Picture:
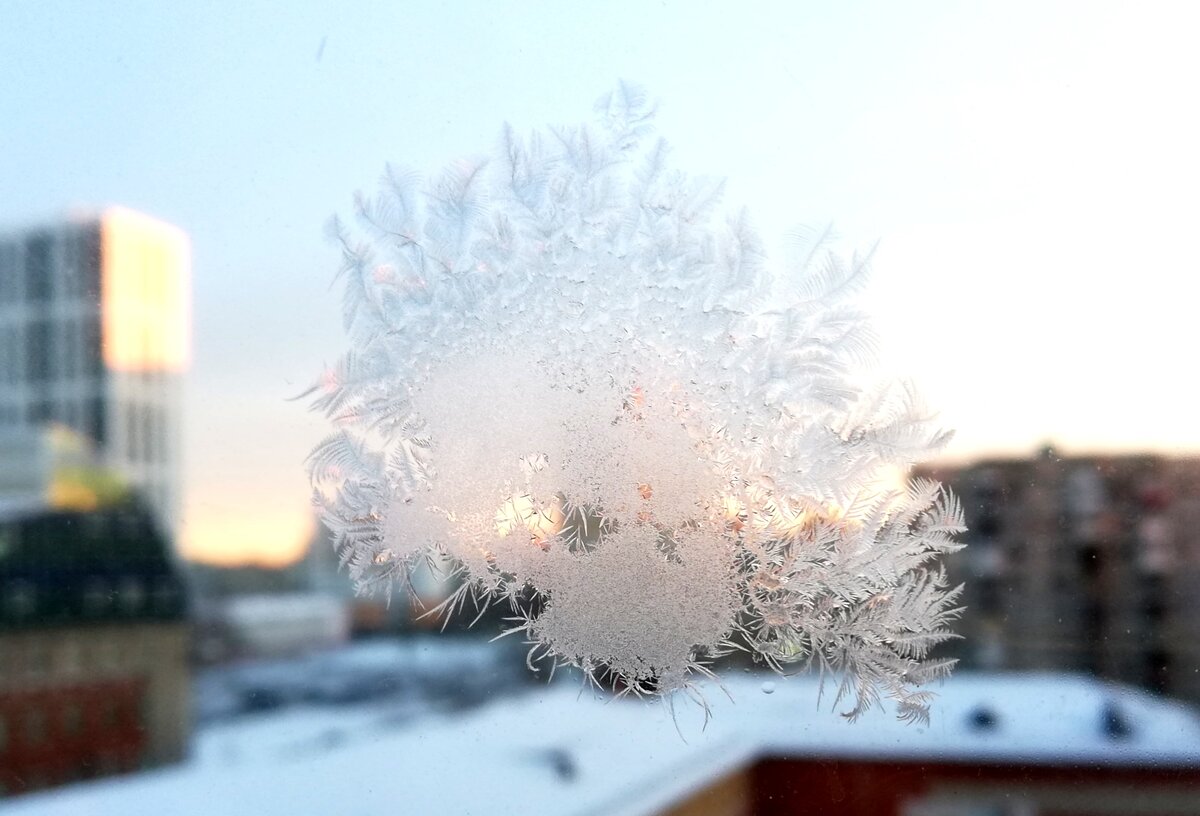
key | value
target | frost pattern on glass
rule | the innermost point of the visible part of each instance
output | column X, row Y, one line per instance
column 575, row 387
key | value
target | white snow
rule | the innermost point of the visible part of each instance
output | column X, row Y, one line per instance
column 555, row 751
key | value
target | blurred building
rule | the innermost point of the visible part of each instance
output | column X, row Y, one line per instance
column 93, row 638
column 94, row 334
column 1088, row 563
column 269, row 625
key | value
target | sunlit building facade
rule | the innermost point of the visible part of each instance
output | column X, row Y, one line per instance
column 94, row 334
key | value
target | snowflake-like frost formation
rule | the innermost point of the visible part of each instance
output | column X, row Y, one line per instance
column 575, row 388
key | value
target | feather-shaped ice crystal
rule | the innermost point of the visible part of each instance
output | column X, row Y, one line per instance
column 572, row 379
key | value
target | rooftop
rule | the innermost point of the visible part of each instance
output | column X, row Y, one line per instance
column 557, row 751
column 61, row 567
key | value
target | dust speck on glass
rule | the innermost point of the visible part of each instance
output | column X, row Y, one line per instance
column 576, row 387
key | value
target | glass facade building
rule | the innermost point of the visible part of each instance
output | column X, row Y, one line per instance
column 94, row 335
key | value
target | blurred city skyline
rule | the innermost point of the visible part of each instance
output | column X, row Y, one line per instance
column 1028, row 170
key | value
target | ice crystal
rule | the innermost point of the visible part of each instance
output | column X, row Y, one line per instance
column 575, row 387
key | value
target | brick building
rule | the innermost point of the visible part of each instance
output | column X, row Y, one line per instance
column 93, row 645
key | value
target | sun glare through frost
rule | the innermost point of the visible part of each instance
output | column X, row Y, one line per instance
column 577, row 388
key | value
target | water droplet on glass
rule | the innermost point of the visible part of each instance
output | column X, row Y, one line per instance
column 768, row 687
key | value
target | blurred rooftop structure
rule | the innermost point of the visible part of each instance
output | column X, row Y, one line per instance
column 1047, row 743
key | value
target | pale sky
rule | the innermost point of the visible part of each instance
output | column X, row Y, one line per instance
column 1030, row 170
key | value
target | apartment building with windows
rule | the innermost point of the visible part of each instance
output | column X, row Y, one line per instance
column 1082, row 563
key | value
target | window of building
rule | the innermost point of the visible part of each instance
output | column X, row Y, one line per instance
column 1153, row 610
column 56, row 353
column 96, row 597
column 39, row 282
column 9, row 280
column 89, row 268
column 148, row 428
column 109, row 763
column 987, row 591
column 153, row 448
column 134, row 430
column 19, row 599
column 76, row 267
column 72, row 719
column 69, row 339
column 11, row 354
column 1157, row 668
column 40, row 411
column 131, row 596
column 95, row 421
column 39, row 663
column 165, row 597
column 93, row 355
column 110, row 653
column 70, row 657
column 1090, row 562
column 35, row 726
column 109, row 714
column 39, row 348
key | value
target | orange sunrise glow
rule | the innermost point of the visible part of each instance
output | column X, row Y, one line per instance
column 270, row 537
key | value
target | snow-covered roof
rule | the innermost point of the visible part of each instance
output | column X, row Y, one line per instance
column 556, row 751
